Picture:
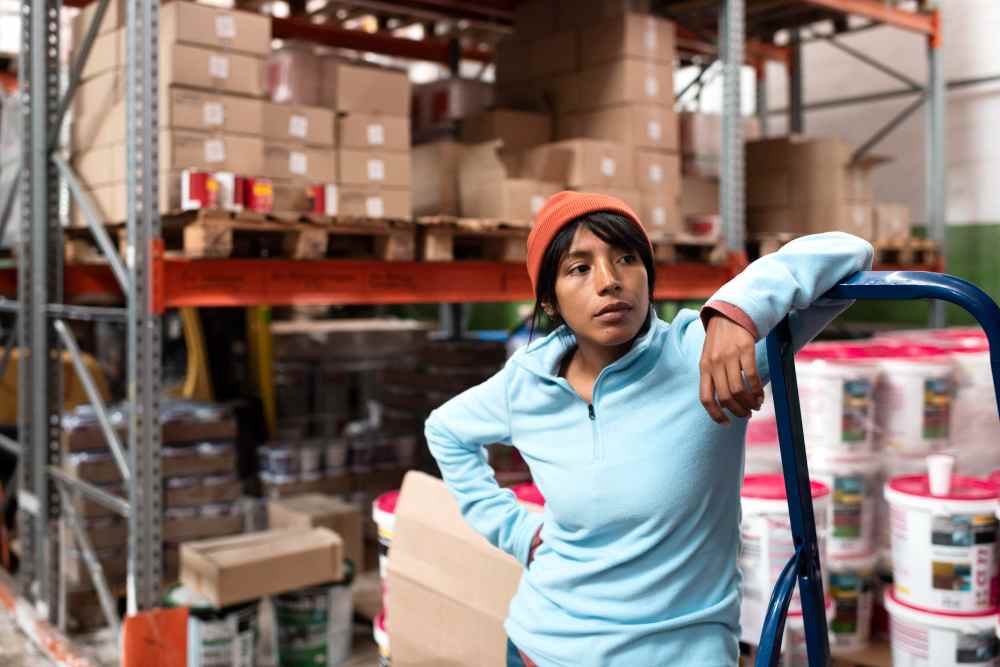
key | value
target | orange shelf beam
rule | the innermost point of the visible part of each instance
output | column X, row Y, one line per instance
column 876, row 10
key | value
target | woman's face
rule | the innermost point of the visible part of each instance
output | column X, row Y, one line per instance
column 602, row 292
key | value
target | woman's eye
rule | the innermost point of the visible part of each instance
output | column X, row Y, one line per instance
column 579, row 268
column 628, row 259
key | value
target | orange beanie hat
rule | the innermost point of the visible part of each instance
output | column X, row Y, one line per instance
column 561, row 209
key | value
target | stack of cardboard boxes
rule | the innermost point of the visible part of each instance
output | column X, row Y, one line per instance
column 371, row 164
column 211, row 83
column 607, row 74
column 804, row 184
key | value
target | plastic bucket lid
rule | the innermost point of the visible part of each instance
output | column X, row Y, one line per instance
column 201, row 607
column 379, row 632
column 766, row 493
column 967, row 494
column 849, row 463
column 762, row 431
column 864, row 561
column 980, row 621
column 384, row 508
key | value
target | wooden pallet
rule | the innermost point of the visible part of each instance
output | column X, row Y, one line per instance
column 762, row 244
column 906, row 251
column 671, row 248
column 447, row 238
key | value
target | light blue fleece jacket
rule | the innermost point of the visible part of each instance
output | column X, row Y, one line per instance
column 641, row 524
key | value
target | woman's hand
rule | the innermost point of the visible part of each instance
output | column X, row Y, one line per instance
column 536, row 542
column 726, row 359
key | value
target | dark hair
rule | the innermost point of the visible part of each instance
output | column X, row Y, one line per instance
column 614, row 229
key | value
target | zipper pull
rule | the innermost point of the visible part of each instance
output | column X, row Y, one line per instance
column 590, row 409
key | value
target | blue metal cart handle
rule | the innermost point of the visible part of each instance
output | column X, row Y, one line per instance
column 804, row 566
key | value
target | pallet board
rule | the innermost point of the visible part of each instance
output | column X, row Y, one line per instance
column 669, row 248
column 909, row 251
column 447, row 238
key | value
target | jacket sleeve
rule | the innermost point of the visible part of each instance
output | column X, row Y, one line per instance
column 791, row 281
column 457, row 434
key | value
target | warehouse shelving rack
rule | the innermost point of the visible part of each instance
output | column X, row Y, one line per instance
column 147, row 282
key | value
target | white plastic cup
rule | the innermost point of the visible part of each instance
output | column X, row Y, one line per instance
column 940, row 468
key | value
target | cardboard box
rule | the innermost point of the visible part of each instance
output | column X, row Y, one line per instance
column 516, row 129
column 320, row 511
column 247, row 567
column 656, row 171
column 180, row 65
column 291, row 161
column 640, row 125
column 555, row 54
column 104, row 469
column 660, row 213
column 534, row 19
column 512, row 61
column 313, row 126
column 585, row 13
column 495, row 183
column 592, row 162
column 180, row 108
column 111, row 201
column 438, row 104
column 364, row 89
column 174, row 432
column 534, row 96
column 294, row 73
column 797, row 171
column 293, row 195
column 375, row 202
column 630, row 35
column 630, row 196
column 114, row 18
column 855, row 219
column 701, row 134
column 202, row 494
column 507, row 199
column 215, row 27
column 702, row 166
column 439, row 563
column 368, row 167
column 699, row 195
column 179, row 149
column 379, row 131
column 435, row 178
column 200, row 528
column 619, row 82
column 892, row 221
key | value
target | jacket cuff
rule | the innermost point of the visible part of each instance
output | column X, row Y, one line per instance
column 530, row 524
column 734, row 313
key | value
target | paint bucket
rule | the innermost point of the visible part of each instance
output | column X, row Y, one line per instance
column 313, row 626
column 763, row 454
column 852, row 591
column 528, row 493
column 384, row 513
column 766, row 545
column 944, row 546
column 836, row 393
column 794, row 652
column 381, row 640
column 854, row 489
column 893, row 465
column 224, row 637
column 310, row 458
column 921, row 637
column 336, row 456
column 913, row 398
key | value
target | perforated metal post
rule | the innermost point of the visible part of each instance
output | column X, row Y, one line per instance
column 936, row 174
column 40, row 281
column 143, row 326
column 731, row 190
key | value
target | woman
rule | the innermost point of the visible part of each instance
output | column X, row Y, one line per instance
column 623, row 421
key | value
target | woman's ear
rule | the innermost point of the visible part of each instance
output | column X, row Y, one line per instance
column 549, row 309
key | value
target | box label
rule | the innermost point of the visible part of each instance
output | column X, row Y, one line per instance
column 659, row 216
column 225, row 27
column 374, row 207
column 652, row 86
column 376, row 134
column 330, row 199
column 608, row 166
column 218, row 67
column 213, row 113
column 649, row 35
column 215, row 150
column 654, row 130
column 655, row 173
column 297, row 162
column 298, row 126
column 537, row 202
column 376, row 170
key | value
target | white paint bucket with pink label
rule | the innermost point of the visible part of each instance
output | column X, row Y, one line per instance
column 922, row 638
column 384, row 514
column 854, row 490
column 852, row 591
column 794, row 652
column 944, row 542
column 766, row 545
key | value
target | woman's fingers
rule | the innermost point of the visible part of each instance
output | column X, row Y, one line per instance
column 726, row 393
column 741, row 392
column 707, row 396
column 749, row 364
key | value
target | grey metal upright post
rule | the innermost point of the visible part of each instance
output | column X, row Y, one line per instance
column 732, row 185
column 796, row 119
column 143, row 328
column 761, row 93
column 40, row 281
column 936, row 173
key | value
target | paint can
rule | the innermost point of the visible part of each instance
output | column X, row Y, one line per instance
column 313, row 626
column 852, row 592
column 836, row 393
column 920, row 637
column 766, row 545
column 381, row 640
column 384, row 514
column 763, row 454
column 854, row 486
column 528, row 493
column 794, row 652
column 310, row 458
column 224, row 637
column 944, row 546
